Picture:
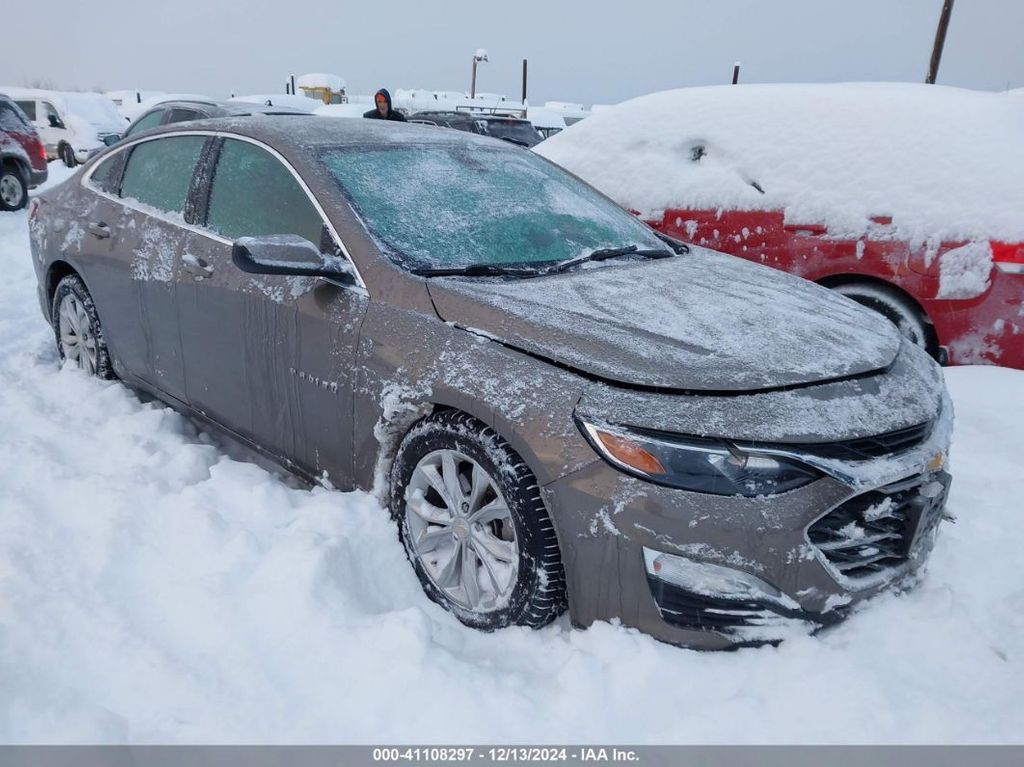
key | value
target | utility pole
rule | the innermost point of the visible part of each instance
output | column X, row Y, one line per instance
column 940, row 41
column 480, row 55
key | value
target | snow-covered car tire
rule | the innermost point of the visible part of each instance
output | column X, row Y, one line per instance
column 474, row 525
column 896, row 308
column 13, row 187
column 77, row 328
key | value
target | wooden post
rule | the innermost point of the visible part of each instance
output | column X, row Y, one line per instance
column 735, row 73
column 940, row 41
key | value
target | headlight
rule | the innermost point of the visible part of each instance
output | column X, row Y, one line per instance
column 694, row 463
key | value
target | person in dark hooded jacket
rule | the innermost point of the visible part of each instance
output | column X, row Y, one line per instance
column 383, row 111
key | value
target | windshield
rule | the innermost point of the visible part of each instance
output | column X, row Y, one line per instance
column 98, row 111
column 453, row 205
column 513, row 129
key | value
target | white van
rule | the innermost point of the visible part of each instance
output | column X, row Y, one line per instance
column 67, row 133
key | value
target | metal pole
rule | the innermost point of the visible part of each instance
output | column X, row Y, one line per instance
column 524, row 87
column 940, row 41
column 735, row 73
column 472, row 85
column 293, row 84
column 286, row 86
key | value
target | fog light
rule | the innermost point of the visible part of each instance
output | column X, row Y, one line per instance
column 712, row 580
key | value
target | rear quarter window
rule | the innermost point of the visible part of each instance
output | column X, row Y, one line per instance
column 28, row 107
column 159, row 172
column 150, row 120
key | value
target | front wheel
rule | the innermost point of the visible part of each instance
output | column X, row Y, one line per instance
column 474, row 526
column 67, row 154
column 77, row 327
column 896, row 308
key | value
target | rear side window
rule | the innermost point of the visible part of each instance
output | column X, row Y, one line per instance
column 108, row 173
column 28, row 107
column 181, row 115
column 10, row 119
column 254, row 194
column 159, row 172
column 148, row 121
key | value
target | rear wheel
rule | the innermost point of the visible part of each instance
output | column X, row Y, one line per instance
column 474, row 526
column 896, row 308
column 77, row 327
column 13, row 188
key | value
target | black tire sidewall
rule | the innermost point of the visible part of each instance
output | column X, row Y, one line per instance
column 74, row 284
column 18, row 176
column 893, row 309
column 517, row 486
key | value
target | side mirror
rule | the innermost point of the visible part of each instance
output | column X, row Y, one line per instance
column 287, row 254
column 111, row 139
column 55, row 121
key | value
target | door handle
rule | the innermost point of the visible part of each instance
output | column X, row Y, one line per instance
column 99, row 230
column 197, row 266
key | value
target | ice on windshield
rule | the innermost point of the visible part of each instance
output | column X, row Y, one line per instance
column 432, row 206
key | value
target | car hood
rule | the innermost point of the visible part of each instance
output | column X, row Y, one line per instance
column 701, row 321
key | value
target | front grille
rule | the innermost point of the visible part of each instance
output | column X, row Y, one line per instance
column 874, row 534
column 865, row 448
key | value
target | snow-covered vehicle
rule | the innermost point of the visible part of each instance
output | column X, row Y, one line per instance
column 22, row 156
column 69, row 134
column 906, row 198
column 184, row 110
column 559, row 405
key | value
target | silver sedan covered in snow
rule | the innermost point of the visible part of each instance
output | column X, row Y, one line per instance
column 560, row 408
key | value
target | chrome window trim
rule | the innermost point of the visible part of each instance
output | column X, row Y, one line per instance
column 86, row 182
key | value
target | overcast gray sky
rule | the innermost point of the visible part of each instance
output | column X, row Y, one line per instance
column 592, row 52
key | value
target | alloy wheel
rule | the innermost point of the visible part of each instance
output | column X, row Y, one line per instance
column 461, row 531
column 77, row 339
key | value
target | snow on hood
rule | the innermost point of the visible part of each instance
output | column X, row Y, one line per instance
column 97, row 110
column 943, row 162
column 698, row 322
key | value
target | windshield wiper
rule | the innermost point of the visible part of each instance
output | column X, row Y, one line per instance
column 475, row 270
column 603, row 254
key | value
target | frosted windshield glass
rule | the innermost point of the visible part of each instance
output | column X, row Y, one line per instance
column 455, row 205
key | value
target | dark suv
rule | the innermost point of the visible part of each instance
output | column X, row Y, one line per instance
column 22, row 156
column 512, row 129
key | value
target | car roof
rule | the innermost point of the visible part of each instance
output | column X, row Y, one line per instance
column 300, row 132
column 226, row 108
column 466, row 115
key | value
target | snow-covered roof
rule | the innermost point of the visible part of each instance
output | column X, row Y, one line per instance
column 943, row 162
column 281, row 100
column 544, row 118
column 321, row 80
column 341, row 110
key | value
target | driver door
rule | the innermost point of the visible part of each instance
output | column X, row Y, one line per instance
column 269, row 358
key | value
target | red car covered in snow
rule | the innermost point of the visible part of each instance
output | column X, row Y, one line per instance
column 22, row 156
column 908, row 199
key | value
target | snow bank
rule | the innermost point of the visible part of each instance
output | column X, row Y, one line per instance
column 943, row 162
column 157, row 588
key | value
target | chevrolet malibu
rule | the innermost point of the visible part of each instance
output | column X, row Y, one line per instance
column 560, row 408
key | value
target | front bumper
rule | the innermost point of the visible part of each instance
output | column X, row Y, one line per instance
column 794, row 542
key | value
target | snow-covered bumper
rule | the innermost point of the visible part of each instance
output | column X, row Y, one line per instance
column 714, row 571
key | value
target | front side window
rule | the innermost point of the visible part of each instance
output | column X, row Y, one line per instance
column 108, row 173
column 51, row 116
column 148, row 121
column 456, row 204
column 254, row 194
column 159, row 172
column 29, row 108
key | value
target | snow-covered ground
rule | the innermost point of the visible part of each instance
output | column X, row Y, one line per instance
column 155, row 589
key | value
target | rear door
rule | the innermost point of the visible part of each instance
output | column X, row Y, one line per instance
column 136, row 235
column 270, row 358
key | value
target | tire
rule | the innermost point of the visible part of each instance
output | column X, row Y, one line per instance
column 77, row 328
column 67, row 154
column 896, row 308
column 500, row 534
column 13, row 188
